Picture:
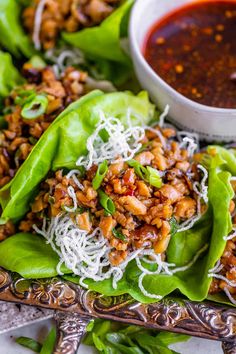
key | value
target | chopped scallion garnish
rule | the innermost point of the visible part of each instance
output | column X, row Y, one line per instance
column 118, row 234
column 106, row 202
column 139, row 169
column 100, row 174
column 154, row 177
column 148, row 174
column 35, row 108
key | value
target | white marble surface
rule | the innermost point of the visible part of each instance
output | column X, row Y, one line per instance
column 39, row 330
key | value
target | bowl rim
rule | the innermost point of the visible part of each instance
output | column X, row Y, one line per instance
column 138, row 57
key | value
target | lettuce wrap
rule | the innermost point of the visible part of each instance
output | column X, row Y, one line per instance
column 110, row 58
column 100, row 44
column 64, row 141
column 104, row 41
column 195, row 250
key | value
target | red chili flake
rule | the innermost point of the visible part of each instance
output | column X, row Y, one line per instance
column 129, row 192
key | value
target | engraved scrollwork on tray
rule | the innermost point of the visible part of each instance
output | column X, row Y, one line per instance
column 168, row 313
column 205, row 319
column 229, row 347
column 5, row 279
column 214, row 319
column 48, row 292
column 118, row 305
column 70, row 331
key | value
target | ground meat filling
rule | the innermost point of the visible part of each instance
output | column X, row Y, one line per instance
column 143, row 215
column 18, row 139
column 66, row 15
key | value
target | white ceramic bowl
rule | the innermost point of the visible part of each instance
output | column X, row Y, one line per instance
column 209, row 122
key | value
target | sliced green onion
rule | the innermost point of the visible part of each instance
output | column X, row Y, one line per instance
column 24, row 96
column 139, row 169
column 106, row 202
column 25, row 93
column 51, row 200
column 7, row 110
column 3, row 123
column 100, row 174
column 21, row 101
column 106, row 213
column 80, row 210
column 49, row 342
column 144, row 147
column 33, row 140
column 154, row 177
column 37, row 62
column 29, row 343
column 90, row 326
column 35, row 108
column 98, row 343
column 118, row 234
column 148, row 174
column 173, row 226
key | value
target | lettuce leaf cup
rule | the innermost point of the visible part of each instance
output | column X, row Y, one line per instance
column 91, row 32
column 113, row 201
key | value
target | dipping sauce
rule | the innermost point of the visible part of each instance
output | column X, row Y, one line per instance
column 194, row 50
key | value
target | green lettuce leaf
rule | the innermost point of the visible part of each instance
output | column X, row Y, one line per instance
column 9, row 75
column 227, row 156
column 30, row 256
column 104, row 41
column 64, row 141
column 12, row 36
column 220, row 298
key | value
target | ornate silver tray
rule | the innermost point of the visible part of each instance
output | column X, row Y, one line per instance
column 77, row 306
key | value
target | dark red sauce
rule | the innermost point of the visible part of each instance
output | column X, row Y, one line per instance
column 194, row 50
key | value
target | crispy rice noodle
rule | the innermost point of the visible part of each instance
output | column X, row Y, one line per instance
column 201, row 189
column 231, row 235
column 215, row 271
column 164, row 115
column 231, row 298
column 217, row 268
column 122, row 142
column 75, row 174
column 86, row 255
column 37, row 24
column 191, row 136
column 64, row 57
column 189, row 144
column 158, row 133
